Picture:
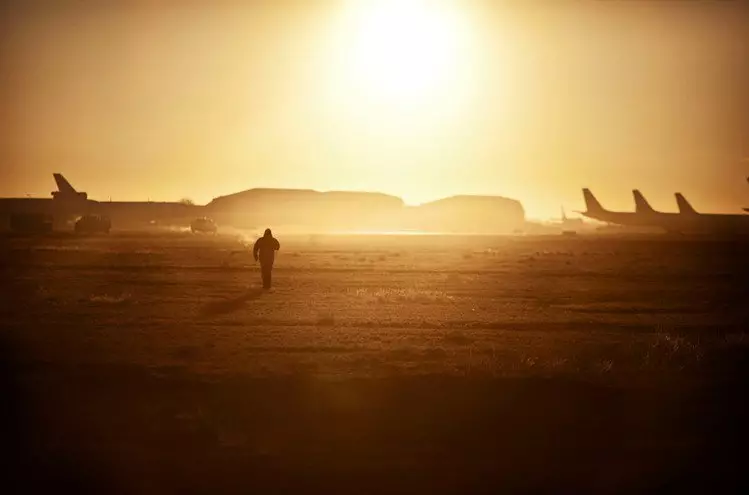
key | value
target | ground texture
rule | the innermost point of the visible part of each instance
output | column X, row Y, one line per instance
column 154, row 363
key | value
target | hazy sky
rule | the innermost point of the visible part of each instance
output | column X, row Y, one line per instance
column 531, row 99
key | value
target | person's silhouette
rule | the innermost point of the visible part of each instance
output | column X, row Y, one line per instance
column 265, row 250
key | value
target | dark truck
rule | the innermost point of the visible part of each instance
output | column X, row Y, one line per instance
column 93, row 224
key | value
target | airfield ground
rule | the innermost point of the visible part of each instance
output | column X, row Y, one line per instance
column 153, row 363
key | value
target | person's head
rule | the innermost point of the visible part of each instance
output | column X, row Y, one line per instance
column 268, row 233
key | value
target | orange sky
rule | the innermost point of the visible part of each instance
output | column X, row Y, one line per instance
column 531, row 100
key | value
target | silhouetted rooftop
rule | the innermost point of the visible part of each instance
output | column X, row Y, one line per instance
column 469, row 201
column 473, row 199
column 306, row 195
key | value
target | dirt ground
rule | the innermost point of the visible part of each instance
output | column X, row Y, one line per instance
column 155, row 363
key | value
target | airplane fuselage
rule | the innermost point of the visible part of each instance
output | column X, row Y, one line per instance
column 65, row 209
column 714, row 223
column 698, row 223
column 623, row 218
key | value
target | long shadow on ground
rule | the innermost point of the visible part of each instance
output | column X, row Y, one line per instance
column 230, row 305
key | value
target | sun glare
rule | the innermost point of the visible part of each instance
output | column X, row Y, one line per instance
column 399, row 84
column 402, row 52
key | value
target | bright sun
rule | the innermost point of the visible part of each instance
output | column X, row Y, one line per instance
column 401, row 51
column 399, row 85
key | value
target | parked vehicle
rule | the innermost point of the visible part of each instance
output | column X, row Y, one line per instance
column 203, row 225
column 93, row 224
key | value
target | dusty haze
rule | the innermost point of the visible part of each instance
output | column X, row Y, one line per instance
column 419, row 100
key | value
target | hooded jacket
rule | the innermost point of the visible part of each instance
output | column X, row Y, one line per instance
column 265, row 248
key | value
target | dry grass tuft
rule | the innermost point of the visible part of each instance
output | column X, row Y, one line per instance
column 109, row 299
column 383, row 295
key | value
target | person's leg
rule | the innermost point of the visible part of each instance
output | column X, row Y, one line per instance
column 270, row 275
column 265, row 272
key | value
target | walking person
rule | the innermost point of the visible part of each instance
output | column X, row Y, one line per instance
column 265, row 250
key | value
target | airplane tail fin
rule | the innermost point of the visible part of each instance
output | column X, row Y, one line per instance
column 684, row 206
column 65, row 191
column 641, row 204
column 63, row 185
column 591, row 203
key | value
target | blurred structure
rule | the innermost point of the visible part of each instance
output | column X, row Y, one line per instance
column 294, row 209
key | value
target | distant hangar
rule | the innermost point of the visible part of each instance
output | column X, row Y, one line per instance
column 346, row 210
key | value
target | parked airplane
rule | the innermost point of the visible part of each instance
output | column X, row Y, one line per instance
column 686, row 221
column 67, row 203
column 596, row 211
column 729, row 223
